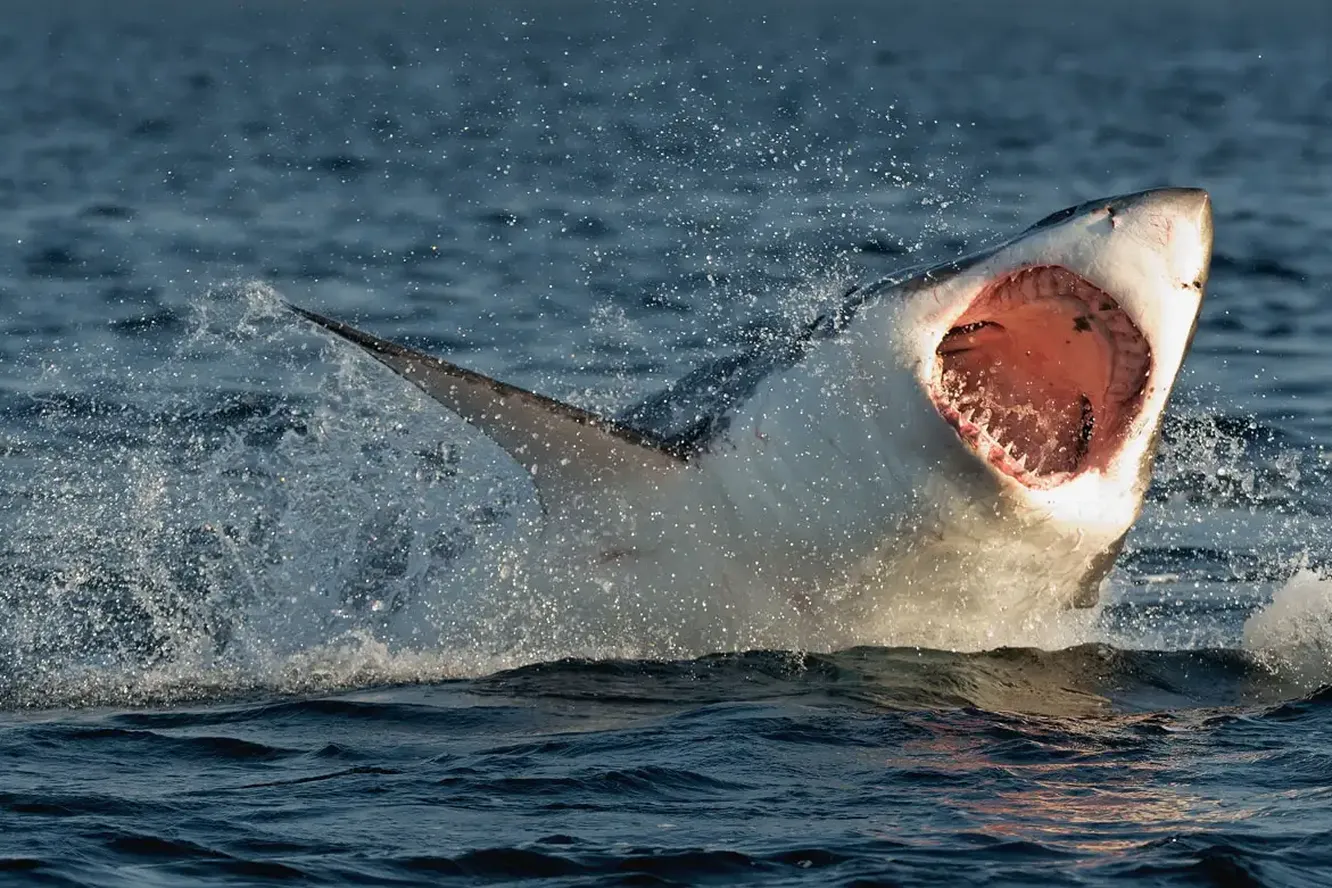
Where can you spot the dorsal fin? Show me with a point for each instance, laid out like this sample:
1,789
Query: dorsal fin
568,451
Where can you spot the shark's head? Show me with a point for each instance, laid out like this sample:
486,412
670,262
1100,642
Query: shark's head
1052,355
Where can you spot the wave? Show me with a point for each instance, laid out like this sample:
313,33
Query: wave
1082,681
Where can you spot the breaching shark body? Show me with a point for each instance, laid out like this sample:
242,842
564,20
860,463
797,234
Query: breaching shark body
952,454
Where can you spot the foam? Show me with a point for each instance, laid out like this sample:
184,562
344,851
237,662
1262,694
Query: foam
1292,635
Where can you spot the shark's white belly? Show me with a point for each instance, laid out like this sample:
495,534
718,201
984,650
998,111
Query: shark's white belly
824,518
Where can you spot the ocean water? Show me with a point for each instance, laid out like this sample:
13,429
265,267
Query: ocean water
251,586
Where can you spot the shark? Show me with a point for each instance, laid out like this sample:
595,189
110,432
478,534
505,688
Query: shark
949,456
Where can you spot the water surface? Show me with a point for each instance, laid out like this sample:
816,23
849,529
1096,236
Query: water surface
250,586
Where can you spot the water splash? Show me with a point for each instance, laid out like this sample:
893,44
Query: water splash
1292,635
185,529
298,520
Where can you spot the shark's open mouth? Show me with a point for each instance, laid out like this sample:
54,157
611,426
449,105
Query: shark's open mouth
1041,375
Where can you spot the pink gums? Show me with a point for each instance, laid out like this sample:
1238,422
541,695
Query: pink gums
1041,375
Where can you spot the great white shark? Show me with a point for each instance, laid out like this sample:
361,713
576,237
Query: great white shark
950,455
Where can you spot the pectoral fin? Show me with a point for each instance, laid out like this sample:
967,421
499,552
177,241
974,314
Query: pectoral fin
569,451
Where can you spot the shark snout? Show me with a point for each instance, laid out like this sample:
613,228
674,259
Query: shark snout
1059,363
1177,221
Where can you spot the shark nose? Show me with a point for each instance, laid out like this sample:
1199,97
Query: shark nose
1191,204
1203,214
1185,204
1191,209
1180,219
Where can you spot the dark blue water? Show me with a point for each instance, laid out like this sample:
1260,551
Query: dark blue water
255,595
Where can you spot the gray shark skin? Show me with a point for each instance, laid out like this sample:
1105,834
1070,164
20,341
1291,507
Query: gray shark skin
951,457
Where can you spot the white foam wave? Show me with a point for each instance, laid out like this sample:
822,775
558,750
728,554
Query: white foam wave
1293,634
357,660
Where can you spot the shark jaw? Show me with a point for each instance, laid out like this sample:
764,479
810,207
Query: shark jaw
1042,375
1053,356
